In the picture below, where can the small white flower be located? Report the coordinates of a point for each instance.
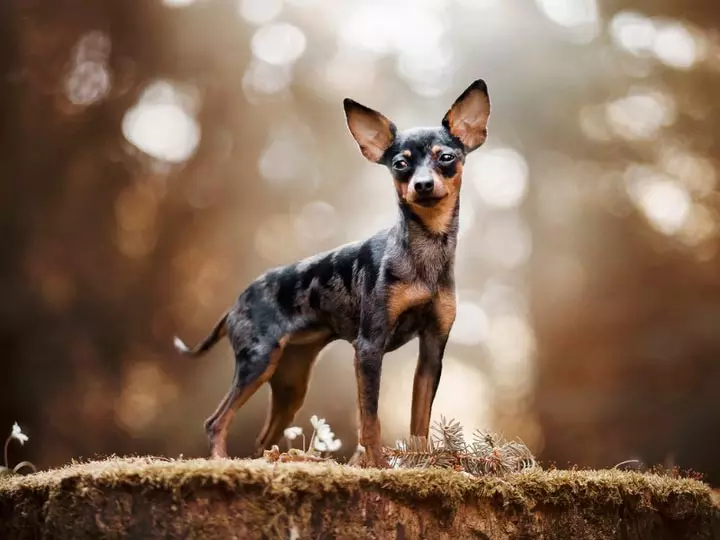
(293, 432)
(18, 434)
(325, 433)
(322, 429)
(319, 445)
(316, 422)
(324, 438)
(334, 445)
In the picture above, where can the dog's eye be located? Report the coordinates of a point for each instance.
(446, 158)
(400, 165)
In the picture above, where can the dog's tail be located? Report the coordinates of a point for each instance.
(201, 348)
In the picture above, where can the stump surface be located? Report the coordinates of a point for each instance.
(236, 499)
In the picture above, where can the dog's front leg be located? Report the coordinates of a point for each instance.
(427, 378)
(368, 368)
(433, 339)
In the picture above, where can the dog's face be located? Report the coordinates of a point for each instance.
(426, 163)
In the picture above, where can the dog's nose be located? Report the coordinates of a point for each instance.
(424, 186)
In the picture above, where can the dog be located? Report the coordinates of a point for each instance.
(377, 294)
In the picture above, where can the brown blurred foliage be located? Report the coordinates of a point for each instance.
(598, 337)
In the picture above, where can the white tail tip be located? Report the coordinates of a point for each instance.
(180, 346)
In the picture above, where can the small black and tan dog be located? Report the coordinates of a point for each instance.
(377, 294)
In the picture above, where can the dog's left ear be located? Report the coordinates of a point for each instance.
(371, 130)
(468, 117)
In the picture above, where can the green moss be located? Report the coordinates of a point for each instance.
(286, 479)
(272, 497)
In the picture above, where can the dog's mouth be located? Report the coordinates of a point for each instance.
(428, 202)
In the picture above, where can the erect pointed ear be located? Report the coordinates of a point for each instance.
(371, 130)
(468, 117)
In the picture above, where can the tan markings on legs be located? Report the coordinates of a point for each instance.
(421, 401)
(221, 419)
(403, 296)
(216, 425)
(426, 371)
(289, 387)
(369, 432)
(445, 309)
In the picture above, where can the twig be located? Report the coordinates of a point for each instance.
(7, 446)
(22, 464)
(626, 462)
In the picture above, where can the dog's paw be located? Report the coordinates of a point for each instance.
(371, 458)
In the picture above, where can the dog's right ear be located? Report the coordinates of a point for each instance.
(371, 130)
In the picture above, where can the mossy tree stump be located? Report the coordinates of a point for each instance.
(152, 498)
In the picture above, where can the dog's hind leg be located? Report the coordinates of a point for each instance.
(252, 370)
(289, 385)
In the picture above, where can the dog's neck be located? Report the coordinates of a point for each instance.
(412, 228)
(431, 253)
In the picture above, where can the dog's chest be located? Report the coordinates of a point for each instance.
(407, 327)
(430, 261)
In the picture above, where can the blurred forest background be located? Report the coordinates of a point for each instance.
(156, 156)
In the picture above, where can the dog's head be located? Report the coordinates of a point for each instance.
(426, 163)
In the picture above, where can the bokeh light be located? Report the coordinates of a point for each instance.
(579, 16)
(279, 44)
(89, 78)
(665, 203)
(259, 11)
(675, 46)
(162, 125)
(471, 324)
(671, 42)
(511, 343)
(633, 32)
(641, 114)
(506, 241)
(285, 157)
(263, 79)
(136, 214)
(500, 177)
(316, 223)
(178, 3)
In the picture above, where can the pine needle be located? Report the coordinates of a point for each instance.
(447, 448)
